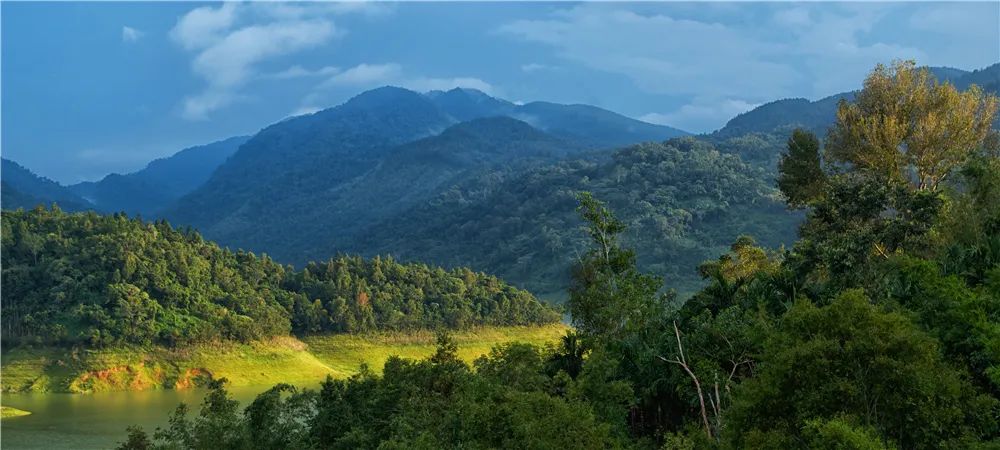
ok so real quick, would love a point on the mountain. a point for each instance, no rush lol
(817, 116)
(160, 182)
(585, 124)
(785, 115)
(282, 169)
(684, 202)
(21, 188)
(304, 186)
(415, 172)
(592, 125)
(326, 218)
(467, 104)
(987, 78)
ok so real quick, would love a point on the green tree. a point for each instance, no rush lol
(851, 359)
(906, 127)
(801, 178)
(609, 296)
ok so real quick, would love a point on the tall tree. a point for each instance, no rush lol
(609, 296)
(801, 178)
(906, 127)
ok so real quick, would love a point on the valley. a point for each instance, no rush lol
(529, 272)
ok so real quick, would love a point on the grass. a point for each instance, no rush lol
(7, 412)
(279, 360)
(345, 353)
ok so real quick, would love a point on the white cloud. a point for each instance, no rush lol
(365, 75)
(371, 75)
(368, 76)
(423, 84)
(693, 116)
(656, 51)
(202, 26)
(303, 110)
(805, 49)
(130, 34)
(793, 17)
(534, 67)
(232, 41)
(298, 71)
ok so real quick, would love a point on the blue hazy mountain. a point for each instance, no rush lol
(22, 188)
(585, 124)
(161, 182)
(312, 180)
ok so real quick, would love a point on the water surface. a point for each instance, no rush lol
(96, 421)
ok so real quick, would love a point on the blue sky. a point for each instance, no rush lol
(93, 88)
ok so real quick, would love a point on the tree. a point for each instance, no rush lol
(852, 360)
(801, 178)
(609, 296)
(907, 128)
(137, 440)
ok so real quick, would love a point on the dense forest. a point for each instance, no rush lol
(878, 329)
(85, 278)
(684, 201)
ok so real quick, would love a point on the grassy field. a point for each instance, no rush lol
(345, 353)
(286, 360)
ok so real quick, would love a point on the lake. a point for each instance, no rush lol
(97, 421)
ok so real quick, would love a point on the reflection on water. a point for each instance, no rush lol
(96, 421)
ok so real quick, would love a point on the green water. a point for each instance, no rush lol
(95, 421)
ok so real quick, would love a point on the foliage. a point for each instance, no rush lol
(683, 201)
(906, 127)
(851, 358)
(801, 178)
(506, 403)
(877, 329)
(102, 280)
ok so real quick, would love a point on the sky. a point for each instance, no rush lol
(87, 89)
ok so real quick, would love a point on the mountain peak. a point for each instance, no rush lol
(465, 103)
(384, 96)
(493, 126)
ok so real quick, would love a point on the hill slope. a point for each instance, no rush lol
(684, 202)
(21, 188)
(415, 172)
(584, 124)
(100, 280)
(161, 182)
(303, 187)
(270, 184)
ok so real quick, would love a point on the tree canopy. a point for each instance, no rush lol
(100, 280)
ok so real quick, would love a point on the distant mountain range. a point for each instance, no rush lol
(21, 188)
(460, 178)
(161, 182)
(318, 178)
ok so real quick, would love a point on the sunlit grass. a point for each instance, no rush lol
(278, 360)
(345, 353)
(8, 412)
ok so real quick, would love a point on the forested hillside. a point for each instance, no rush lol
(99, 280)
(684, 202)
(162, 181)
(878, 329)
